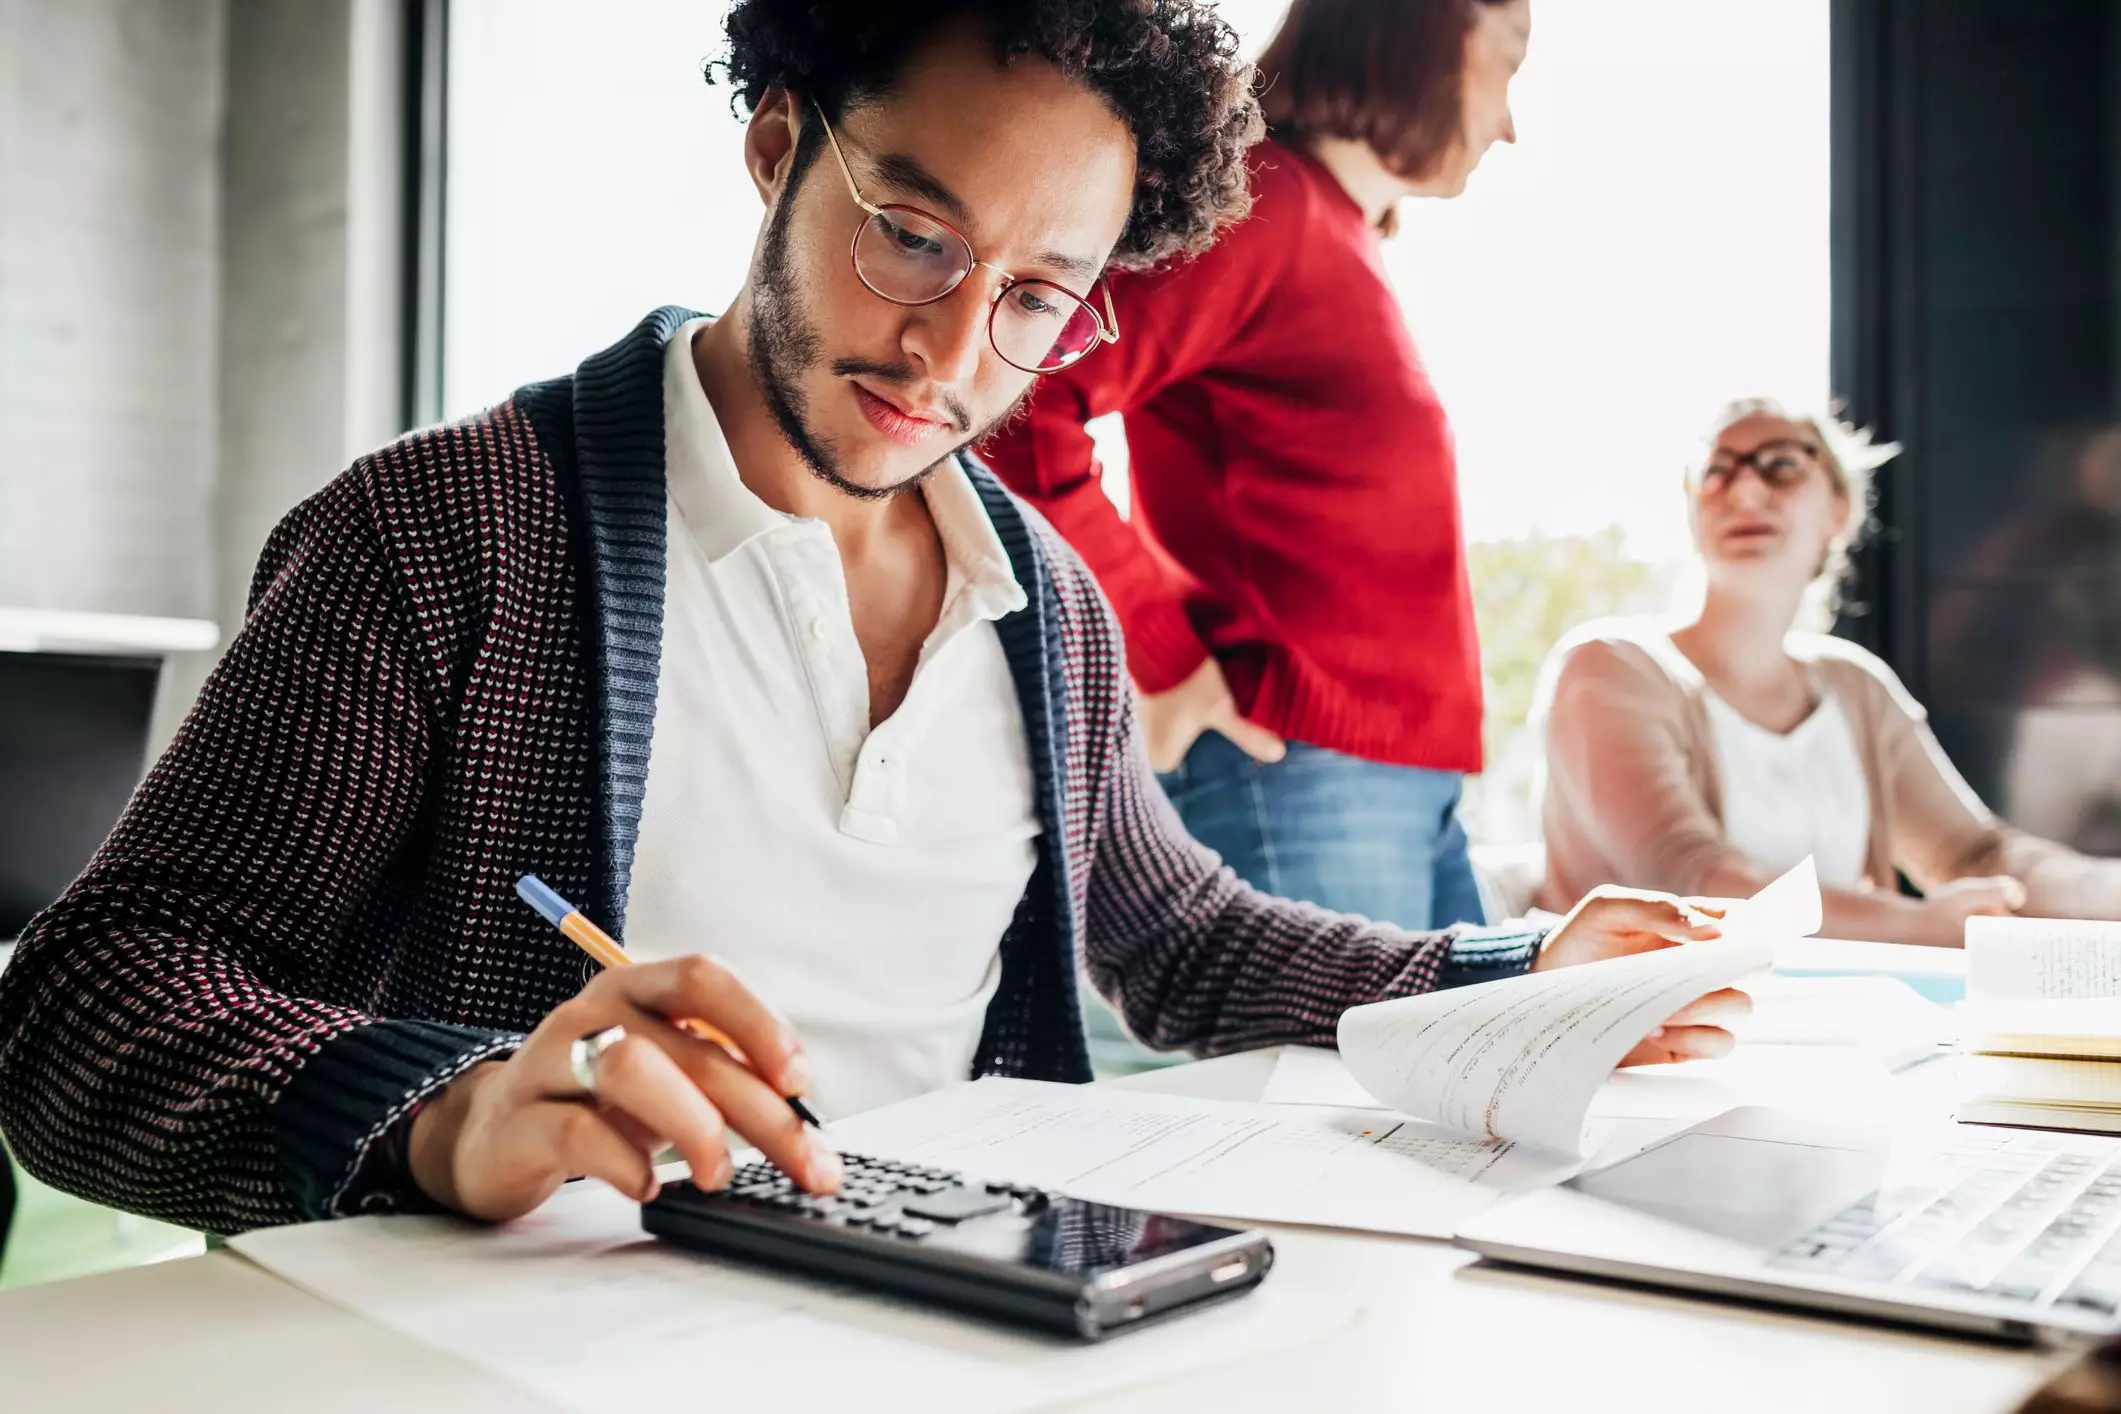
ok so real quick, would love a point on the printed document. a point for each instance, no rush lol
(1491, 1085)
(1521, 1059)
(580, 1307)
(1358, 1168)
(1636, 1108)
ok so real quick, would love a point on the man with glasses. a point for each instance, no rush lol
(724, 638)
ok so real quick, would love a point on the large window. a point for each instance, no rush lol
(593, 175)
(1655, 244)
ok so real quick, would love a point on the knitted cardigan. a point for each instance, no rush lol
(305, 921)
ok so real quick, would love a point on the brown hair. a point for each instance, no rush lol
(1388, 73)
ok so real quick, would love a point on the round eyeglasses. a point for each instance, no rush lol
(1779, 464)
(903, 254)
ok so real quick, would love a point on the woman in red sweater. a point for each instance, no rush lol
(1293, 579)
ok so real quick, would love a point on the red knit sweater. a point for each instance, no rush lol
(1295, 499)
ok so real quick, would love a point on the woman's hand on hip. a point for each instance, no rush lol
(1172, 721)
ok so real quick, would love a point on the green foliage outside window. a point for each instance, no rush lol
(1527, 594)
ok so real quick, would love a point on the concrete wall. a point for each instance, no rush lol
(110, 277)
(200, 217)
(309, 333)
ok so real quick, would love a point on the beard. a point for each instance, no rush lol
(783, 345)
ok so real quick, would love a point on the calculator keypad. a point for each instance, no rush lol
(882, 1196)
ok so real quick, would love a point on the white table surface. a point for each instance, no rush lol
(212, 1333)
(57, 631)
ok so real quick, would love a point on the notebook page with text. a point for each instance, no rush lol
(1521, 1059)
(2043, 986)
(2043, 959)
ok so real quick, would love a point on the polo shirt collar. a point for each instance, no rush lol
(719, 510)
(723, 514)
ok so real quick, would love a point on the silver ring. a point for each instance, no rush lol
(583, 1055)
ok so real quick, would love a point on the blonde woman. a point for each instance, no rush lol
(1706, 758)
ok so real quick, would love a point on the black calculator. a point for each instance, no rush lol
(1001, 1250)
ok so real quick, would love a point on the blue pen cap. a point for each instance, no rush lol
(540, 896)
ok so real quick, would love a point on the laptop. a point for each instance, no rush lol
(73, 739)
(2011, 1233)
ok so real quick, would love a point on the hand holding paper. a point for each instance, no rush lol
(1475, 1069)
(1521, 1059)
(1615, 922)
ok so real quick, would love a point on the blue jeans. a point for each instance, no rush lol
(1350, 835)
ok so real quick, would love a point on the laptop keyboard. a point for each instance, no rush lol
(2007, 1215)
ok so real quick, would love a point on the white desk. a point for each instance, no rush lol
(212, 1333)
(133, 635)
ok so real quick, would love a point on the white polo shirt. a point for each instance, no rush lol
(860, 880)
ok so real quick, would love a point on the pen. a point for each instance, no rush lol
(605, 949)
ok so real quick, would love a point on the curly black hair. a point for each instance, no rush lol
(1170, 69)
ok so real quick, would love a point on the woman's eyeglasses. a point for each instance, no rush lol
(907, 256)
(1778, 464)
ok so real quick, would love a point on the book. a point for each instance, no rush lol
(2043, 1026)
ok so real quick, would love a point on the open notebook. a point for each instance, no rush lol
(2043, 1024)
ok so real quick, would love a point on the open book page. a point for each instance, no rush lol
(579, 1306)
(1334, 1167)
(2044, 959)
(1520, 1059)
(2043, 985)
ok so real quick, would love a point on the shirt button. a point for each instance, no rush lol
(817, 629)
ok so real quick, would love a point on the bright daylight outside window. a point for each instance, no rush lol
(1655, 244)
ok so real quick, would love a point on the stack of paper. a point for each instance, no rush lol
(2043, 1024)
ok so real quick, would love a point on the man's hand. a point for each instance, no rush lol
(502, 1137)
(1614, 922)
(1172, 721)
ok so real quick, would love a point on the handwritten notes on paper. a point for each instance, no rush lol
(2046, 959)
(2043, 986)
(1522, 1058)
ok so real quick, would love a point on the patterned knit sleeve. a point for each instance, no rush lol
(1193, 958)
(163, 1047)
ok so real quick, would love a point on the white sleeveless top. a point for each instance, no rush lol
(1788, 795)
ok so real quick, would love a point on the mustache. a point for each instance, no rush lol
(902, 375)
